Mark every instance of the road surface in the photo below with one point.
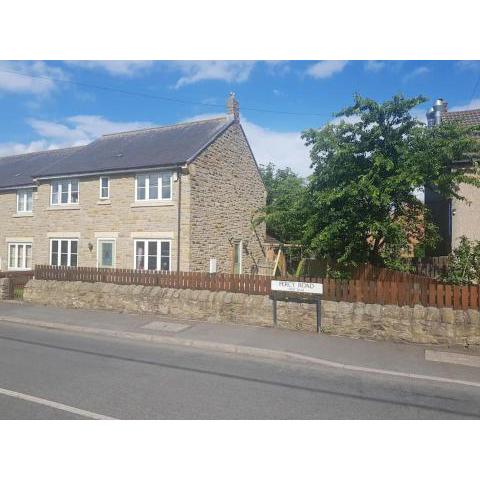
(46, 374)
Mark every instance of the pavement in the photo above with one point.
(59, 363)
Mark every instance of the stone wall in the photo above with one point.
(226, 191)
(4, 288)
(403, 324)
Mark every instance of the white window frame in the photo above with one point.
(69, 252)
(108, 188)
(159, 249)
(69, 200)
(23, 267)
(114, 252)
(24, 193)
(147, 187)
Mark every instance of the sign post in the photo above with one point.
(299, 289)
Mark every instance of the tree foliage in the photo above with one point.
(284, 212)
(464, 263)
(361, 203)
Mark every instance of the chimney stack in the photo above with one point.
(232, 107)
(434, 115)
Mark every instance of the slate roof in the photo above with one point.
(17, 170)
(466, 117)
(152, 147)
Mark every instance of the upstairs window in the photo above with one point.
(104, 188)
(24, 200)
(157, 186)
(64, 192)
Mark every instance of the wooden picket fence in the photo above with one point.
(251, 284)
(407, 292)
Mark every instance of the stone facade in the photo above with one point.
(220, 190)
(455, 218)
(4, 288)
(226, 191)
(378, 322)
(465, 215)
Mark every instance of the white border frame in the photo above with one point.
(100, 188)
(19, 269)
(24, 191)
(69, 180)
(135, 240)
(114, 253)
(69, 250)
(160, 185)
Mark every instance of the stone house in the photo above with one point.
(179, 197)
(454, 218)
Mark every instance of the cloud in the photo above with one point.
(284, 149)
(326, 68)
(472, 105)
(419, 114)
(350, 119)
(228, 71)
(126, 68)
(374, 66)
(417, 72)
(72, 131)
(11, 148)
(35, 78)
(278, 67)
(473, 65)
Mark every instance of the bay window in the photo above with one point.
(152, 255)
(64, 252)
(156, 186)
(64, 192)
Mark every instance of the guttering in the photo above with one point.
(17, 187)
(179, 202)
(107, 172)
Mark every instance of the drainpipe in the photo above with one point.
(179, 201)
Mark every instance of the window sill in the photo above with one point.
(25, 214)
(104, 202)
(64, 207)
(148, 203)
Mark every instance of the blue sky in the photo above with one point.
(56, 111)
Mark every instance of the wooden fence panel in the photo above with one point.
(387, 290)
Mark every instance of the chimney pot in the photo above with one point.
(233, 107)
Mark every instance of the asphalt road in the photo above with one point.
(70, 376)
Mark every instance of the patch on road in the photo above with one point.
(166, 326)
(456, 358)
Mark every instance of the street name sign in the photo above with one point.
(297, 287)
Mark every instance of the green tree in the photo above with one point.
(284, 213)
(362, 205)
(464, 263)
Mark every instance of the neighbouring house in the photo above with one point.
(454, 218)
(179, 197)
